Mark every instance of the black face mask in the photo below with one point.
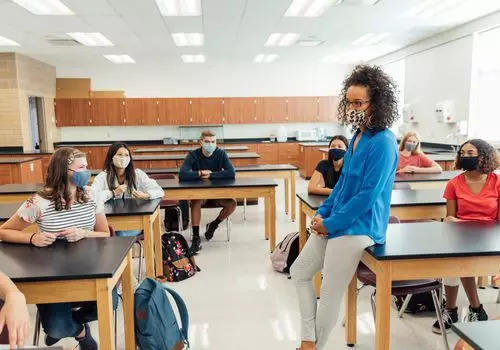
(336, 154)
(468, 163)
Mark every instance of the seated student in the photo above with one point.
(14, 316)
(120, 179)
(65, 208)
(207, 162)
(471, 196)
(327, 172)
(412, 159)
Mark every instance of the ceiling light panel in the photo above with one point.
(194, 58)
(91, 39)
(370, 39)
(7, 42)
(119, 59)
(265, 58)
(282, 39)
(189, 39)
(45, 7)
(431, 8)
(310, 8)
(309, 43)
(179, 7)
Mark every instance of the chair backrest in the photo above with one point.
(162, 176)
(394, 220)
(112, 232)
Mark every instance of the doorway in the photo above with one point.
(36, 116)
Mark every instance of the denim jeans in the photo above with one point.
(64, 320)
(128, 233)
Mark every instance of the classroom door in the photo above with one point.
(34, 123)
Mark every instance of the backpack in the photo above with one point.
(178, 260)
(418, 303)
(285, 253)
(156, 325)
(171, 220)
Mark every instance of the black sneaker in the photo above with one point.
(49, 341)
(211, 227)
(475, 315)
(449, 317)
(196, 244)
(87, 342)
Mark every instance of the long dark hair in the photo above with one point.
(109, 168)
(488, 156)
(56, 188)
(330, 174)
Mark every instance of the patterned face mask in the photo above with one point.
(355, 118)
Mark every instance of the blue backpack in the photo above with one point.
(155, 322)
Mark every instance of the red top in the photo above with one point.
(420, 160)
(470, 206)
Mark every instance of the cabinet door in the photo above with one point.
(302, 109)
(327, 108)
(150, 111)
(63, 111)
(134, 113)
(206, 111)
(288, 153)
(271, 110)
(268, 153)
(174, 111)
(239, 110)
(80, 111)
(107, 111)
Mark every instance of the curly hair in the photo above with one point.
(488, 156)
(383, 92)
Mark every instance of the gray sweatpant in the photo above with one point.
(338, 258)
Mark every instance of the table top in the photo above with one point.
(399, 198)
(479, 335)
(442, 177)
(231, 155)
(187, 149)
(89, 258)
(411, 241)
(20, 188)
(17, 160)
(248, 168)
(228, 183)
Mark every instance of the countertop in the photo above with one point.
(17, 160)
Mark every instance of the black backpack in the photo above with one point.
(418, 303)
(178, 260)
(171, 220)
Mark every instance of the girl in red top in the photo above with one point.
(412, 159)
(471, 196)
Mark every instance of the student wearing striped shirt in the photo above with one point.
(65, 208)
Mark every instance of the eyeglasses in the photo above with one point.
(356, 104)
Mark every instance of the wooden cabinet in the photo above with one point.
(288, 153)
(206, 111)
(268, 153)
(271, 110)
(133, 111)
(327, 109)
(95, 156)
(81, 111)
(174, 111)
(239, 110)
(302, 109)
(107, 111)
(309, 157)
(150, 111)
(63, 112)
(20, 171)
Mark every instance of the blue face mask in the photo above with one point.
(209, 148)
(80, 178)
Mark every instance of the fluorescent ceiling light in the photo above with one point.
(91, 39)
(193, 58)
(430, 8)
(309, 8)
(265, 58)
(44, 7)
(370, 39)
(180, 7)
(281, 39)
(120, 59)
(189, 39)
(309, 43)
(7, 42)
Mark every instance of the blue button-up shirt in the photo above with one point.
(360, 202)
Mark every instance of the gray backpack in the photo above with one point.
(285, 253)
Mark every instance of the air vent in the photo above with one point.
(63, 42)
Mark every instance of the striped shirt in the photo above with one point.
(42, 212)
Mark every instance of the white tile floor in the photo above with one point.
(238, 302)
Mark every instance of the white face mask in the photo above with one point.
(121, 162)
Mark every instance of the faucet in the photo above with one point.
(457, 139)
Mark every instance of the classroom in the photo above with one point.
(249, 174)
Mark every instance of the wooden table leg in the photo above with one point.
(287, 195)
(105, 314)
(351, 311)
(302, 227)
(292, 195)
(482, 282)
(495, 284)
(128, 304)
(272, 200)
(383, 308)
(158, 244)
(267, 216)
(317, 284)
(148, 246)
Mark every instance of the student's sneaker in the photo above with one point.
(87, 342)
(211, 227)
(196, 244)
(49, 341)
(449, 317)
(478, 314)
